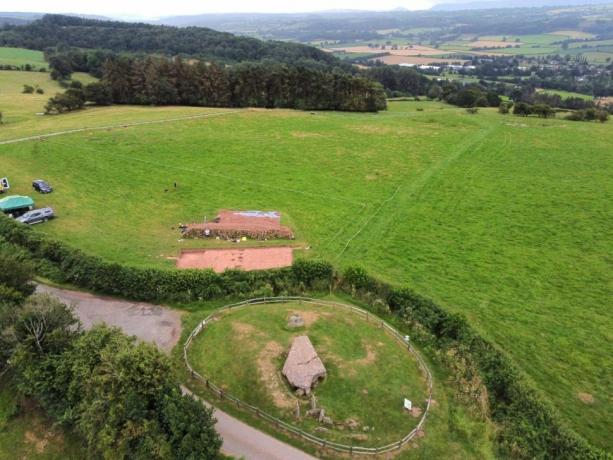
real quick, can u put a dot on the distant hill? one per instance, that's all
(480, 5)
(20, 18)
(126, 37)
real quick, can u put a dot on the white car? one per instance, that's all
(36, 216)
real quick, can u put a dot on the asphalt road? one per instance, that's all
(162, 326)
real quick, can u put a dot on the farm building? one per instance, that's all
(258, 225)
(16, 204)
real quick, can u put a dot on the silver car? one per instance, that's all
(36, 216)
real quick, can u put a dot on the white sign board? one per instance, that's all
(408, 405)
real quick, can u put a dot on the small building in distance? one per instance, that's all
(303, 368)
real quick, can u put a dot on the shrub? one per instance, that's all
(472, 110)
(505, 107)
(159, 285)
(522, 109)
(28, 89)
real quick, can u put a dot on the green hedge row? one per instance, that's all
(159, 285)
(530, 426)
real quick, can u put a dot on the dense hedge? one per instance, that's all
(159, 285)
(530, 426)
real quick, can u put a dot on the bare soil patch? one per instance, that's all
(492, 44)
(242, 328)
(40, 444)
(418, 60)
(586, 398)
(270, 376)
(415, 50)
(304, 135)
(310, 317)
(241, 258)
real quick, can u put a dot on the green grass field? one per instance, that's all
(21, 56)
(506, 220)
(454, 430)
(369, 373)
(566, 94)
(26, 433)
(596, 51)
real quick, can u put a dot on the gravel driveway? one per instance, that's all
(150, 323)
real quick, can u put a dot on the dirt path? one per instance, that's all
(121, 125)
(162, 326)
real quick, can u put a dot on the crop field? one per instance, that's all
(368, 373)
(20, 56)
(596, 51)
(504, 219)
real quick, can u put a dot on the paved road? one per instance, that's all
(162, 326)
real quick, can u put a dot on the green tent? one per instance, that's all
(16, 202)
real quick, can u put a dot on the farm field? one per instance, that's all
(503, 219)
(596, 51)
(21, 56)
(368, 372)
(566, 94)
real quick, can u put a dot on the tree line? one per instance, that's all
(120, 397)
(268, 84)
(124, 37)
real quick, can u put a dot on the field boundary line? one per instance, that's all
(282, 425)
(121, 125)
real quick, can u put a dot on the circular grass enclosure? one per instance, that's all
(369, 373)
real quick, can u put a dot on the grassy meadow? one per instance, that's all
(21, 56)
(368, 373)
(504, 219)
(454, 429)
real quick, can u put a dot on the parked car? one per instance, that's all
(42, 186)
(36, 216)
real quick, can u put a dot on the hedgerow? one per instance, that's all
(529, 425)
(159, 285)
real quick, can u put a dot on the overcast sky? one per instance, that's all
(156, 8)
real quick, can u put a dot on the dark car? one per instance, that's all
(42, 186)
(36, 216)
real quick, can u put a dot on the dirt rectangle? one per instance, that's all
(240, 258)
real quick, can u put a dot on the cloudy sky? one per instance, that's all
(156, 8)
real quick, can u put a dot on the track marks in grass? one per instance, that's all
(415, 188)
(122, 125)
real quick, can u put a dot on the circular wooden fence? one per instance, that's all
(322, 443)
